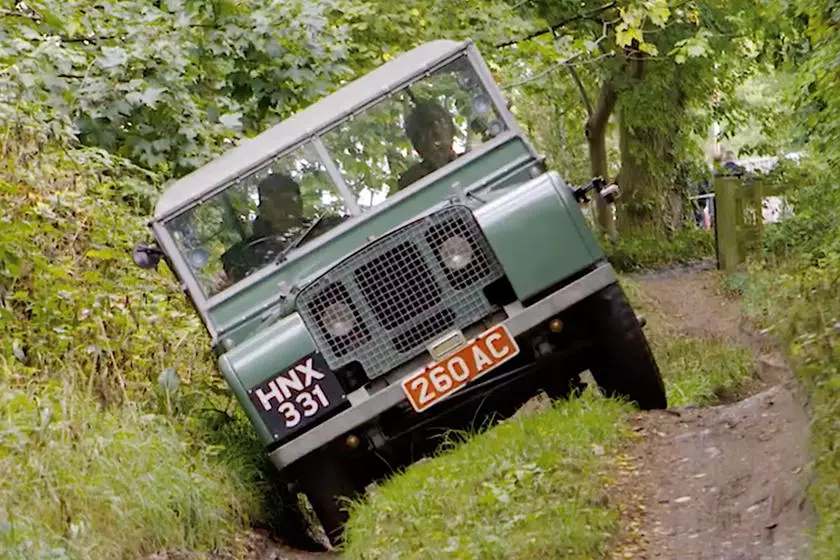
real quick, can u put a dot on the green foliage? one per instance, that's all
(532, 487)
(80, 482)
(814, 229)
(114, 433)
(170, 84)
(819, 86)
(795, 292)
(647, 250)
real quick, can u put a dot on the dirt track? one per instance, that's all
(723, 482)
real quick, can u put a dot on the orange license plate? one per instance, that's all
(437, 381)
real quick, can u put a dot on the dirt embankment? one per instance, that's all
(723, 482)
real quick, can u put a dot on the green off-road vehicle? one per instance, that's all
(391, 262)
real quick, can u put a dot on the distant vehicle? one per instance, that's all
(391, 262)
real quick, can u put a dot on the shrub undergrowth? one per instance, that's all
(99, 458)
(643, 250)
(794, 290)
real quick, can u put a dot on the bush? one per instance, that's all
(795, 291)
(647, 250)
(99, 458)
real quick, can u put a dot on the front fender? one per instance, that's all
(261, 356)
(539, 234)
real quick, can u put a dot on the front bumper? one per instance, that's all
(367, 406)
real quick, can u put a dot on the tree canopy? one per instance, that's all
(622, 88)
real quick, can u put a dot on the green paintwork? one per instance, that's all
(237, 309)
(261, 356)
(534, 234)
(536, 230)
(577, 218)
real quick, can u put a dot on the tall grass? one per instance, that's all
(98, 459)
(643, 250)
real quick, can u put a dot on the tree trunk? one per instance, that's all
(649, 198)
(596, 137)
(645, 153)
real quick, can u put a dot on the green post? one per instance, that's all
(726, 222)
(758, 200)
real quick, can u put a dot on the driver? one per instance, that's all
(431, 131)
(280, 216)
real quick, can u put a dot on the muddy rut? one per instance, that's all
(723, 482)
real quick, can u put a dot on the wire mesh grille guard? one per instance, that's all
(384, 304)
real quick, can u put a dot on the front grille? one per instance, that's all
(400, 292)
(398, 285)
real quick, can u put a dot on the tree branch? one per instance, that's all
(584, 97)
(556, 26)
(12, 13)
(607, 99)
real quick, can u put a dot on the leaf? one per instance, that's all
(151, 95)
(649, 48)
(658, 12)
(112, 57)
(168, 380)
(626, 36)
(104, 254)
(232, 121)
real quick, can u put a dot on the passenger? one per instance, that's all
(432, 132)
(281, 206)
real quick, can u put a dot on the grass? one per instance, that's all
(702, 372)
(535, 487)
(96, 460)
(800, 303)
(699, 371)
(82, 483)
(645, 250)
(531, 487)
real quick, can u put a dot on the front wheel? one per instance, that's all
(621, 361)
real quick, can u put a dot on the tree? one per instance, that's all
(655, 66)
(819, 83)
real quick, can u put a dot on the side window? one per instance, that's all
(414, 132)
(283, 205)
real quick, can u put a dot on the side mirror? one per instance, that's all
(146, 256)
(608, 192)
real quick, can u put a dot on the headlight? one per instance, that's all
(338, 319)
(456, 253)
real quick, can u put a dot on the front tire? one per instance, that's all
(621, 361)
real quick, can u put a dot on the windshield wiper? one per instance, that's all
(300, 239)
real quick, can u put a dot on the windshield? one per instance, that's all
(414, 132)
(258, 219)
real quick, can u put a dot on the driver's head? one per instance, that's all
(431, 131)
(280, 200)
